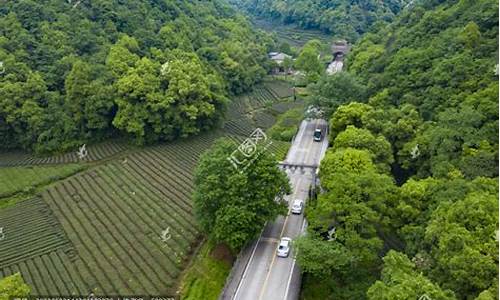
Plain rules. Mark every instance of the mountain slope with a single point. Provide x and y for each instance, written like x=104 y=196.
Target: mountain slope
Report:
x=76 y=71
x=411 y=180
x=347 y=19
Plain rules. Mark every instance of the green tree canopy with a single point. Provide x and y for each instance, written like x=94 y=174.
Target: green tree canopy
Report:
x=400 y=281
x=161 y=102
x=83 y=74
x=363 y=139
x=332 y=91
x=13 y=286
x=309 y=60
x=232 y=205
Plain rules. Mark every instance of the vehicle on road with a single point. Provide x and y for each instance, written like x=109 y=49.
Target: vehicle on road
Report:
x=284 y=247
x=297 y=206
x=318 y=135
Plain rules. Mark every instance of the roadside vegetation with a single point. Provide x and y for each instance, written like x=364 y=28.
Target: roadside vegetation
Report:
x=232 y=202
x=206 y=276
x=287 y=125
x=411 y=180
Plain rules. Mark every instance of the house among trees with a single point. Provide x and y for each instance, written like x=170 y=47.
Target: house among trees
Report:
x=282 y=63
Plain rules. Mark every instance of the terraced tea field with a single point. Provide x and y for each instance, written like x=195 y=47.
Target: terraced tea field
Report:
x=115 y=217
x=125 y=225
x=280 y=89
x=294 y=36
x=95 y=153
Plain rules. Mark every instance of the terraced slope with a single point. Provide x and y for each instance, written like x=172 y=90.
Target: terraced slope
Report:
x=95 y=153
x=122 y=227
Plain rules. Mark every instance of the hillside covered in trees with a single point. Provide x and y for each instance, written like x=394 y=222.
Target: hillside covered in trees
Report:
x=343 y=18
x=78 y=71
x=411 y=180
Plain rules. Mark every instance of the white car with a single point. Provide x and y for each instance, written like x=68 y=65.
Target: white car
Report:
x=297 y=206
x=284 y=247
x=318 y=135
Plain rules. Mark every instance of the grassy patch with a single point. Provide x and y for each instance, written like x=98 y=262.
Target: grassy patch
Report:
x=26 y=179
x=287 y=124
x=206 y=277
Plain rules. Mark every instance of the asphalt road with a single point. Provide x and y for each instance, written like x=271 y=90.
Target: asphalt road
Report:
x=266 y=276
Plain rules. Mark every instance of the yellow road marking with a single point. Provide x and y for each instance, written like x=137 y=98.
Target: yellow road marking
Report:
x=281 y=235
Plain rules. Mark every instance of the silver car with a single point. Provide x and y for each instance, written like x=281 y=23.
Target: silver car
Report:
x=284 y=247
x=297 y=206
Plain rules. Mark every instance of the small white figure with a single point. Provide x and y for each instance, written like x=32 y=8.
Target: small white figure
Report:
x=165 y=235
x=332 y=234
x=2 y=234
x=82 y=152
x=415 y=152
x=164 y=68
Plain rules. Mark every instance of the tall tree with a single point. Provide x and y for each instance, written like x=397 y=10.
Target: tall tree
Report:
x=400 y=280
x=231 y=204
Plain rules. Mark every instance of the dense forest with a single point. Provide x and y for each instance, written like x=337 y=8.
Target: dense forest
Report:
x=78 y=71
x=344 y=18
x=410 y=183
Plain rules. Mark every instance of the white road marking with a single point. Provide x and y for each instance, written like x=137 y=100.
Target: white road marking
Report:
x=249 y=263
x=297 y=185
x=303 y=149
x=293 y=265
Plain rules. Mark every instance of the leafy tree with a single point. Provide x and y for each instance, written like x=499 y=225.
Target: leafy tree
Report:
x=13 y=286
x=357 y=138
x=89 y=101
x=465 y=248
x=309 y=60
x=332 y=91
x=287 y=65
x=122 y=56
x=356 y=202
x=75 y=64
x=319 y=258
x=232 y=205
x=161 y=102
x=350 y=114
x=470 y=35
x=401 y=280
x=285 y=48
